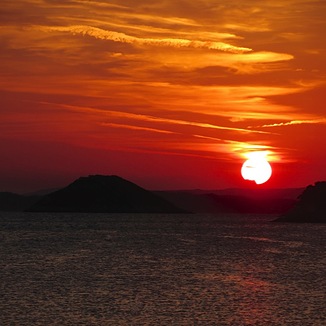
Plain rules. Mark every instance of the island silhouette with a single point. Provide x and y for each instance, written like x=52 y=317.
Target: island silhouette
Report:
x=103 y=194
x=113 y=194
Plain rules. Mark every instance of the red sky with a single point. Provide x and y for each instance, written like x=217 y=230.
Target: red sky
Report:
x=168 y=94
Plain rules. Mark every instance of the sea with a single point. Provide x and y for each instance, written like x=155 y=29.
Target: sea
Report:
x=160 y=269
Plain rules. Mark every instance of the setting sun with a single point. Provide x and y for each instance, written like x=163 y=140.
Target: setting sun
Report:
x=256 y=168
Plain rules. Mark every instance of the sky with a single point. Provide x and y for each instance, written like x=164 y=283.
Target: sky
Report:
x=169 y=94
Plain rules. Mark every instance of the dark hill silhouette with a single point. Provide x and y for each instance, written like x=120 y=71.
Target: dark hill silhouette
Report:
x=311 y=207
x=97 y=193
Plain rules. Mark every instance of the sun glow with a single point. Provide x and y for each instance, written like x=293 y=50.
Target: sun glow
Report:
x=256 y=168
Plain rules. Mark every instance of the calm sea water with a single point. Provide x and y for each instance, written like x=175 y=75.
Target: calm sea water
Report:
x=102 y=269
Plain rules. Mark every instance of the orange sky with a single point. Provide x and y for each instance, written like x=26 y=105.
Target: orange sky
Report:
x=168 y=94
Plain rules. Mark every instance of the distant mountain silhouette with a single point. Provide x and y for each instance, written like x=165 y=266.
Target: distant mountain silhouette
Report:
x=311 y=207
x=241 y=201
x=98 y=193
x=13 y=202
x=196 y=203
x=286 y=193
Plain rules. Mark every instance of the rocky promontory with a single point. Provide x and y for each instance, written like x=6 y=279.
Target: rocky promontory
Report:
x=311 y=206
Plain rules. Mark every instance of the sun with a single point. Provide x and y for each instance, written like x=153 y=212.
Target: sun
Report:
x=256 y=168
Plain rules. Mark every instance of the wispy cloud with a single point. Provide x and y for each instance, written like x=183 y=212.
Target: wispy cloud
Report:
x=295 y=122
x=157 y=119
x=132 y=127
x=238 y=148
x=124 y=38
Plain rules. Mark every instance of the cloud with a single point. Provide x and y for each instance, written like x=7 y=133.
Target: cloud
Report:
x=102 y=34
x=148 y=118
x=235 y=148
x=247 y=27
x=132 y=127
x=295 y=122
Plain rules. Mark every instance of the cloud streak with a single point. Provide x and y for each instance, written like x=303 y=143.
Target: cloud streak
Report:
x=295 y=122
x=132 y=127
x=102 y=34
x=149 y=118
